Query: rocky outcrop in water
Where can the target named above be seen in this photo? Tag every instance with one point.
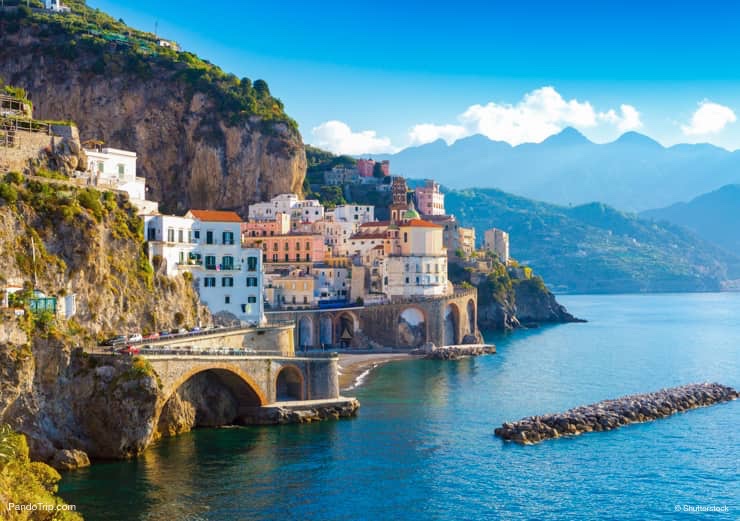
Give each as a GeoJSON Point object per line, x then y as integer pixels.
{"type": "Point", "coordinates": [611, 414]}
{"type": "Point", "coordinates": [432, 352]}
{"type": "Point", "coordinates": [274, 415]}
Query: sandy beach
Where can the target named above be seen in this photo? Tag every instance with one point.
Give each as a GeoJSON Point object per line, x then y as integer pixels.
{"type": "Point", "coordinates": [353, 369]}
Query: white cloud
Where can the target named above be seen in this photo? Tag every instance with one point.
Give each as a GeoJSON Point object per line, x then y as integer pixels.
{"type": "Point", "coordinates": [709, 118]}
{"type": "Point", "coordinates": [428, 132]}
{"type": "Point", "coordinates": [629, 119]}
{"type": "Point", "coordinates": [338, 137]}
{"type": "Point", "coordinates": [540, 114]}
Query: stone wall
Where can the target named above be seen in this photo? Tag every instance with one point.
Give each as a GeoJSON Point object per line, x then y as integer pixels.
{"type": "Point", "coordinates": [274, 339]}
{"type": "Point", "coordinates": [385, 324]}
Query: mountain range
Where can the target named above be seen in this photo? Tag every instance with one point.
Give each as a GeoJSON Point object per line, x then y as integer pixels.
{"type": "Point", "coordinates": [714, 216]}
{"type": "Point", "coordinates": [633, 173]}
{"type": "Point", "coordinates": [594, 248]}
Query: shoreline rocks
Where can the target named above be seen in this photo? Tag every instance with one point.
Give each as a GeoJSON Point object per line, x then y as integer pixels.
{"type": "Point", "coordinates": [431, 352]}
{"type": "Point", "coordinates": [277, 414]}
{"type": "Point", "coordinates": [612, 414]}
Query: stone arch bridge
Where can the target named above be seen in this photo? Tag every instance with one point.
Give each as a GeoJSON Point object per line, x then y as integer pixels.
{"type": "Point", "coordinates": [255, 380]}
{"type": "Point", "coordinates": [402, 323]}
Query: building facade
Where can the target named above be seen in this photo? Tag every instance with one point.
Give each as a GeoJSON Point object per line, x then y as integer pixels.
{"type": "Point", "coordinates": [429, 200]}
{"type": "Point", "coordinates": [497, 241]}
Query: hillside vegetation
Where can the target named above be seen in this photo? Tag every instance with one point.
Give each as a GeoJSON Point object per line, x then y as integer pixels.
{"type": "Point", "coordinates": [204, 138]}
{"type": "Point", "coordinates": [595, 248]}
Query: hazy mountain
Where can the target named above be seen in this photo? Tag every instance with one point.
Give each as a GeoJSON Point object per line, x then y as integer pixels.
{"type": "Point", "coordinates": [595, 248]}
{"type": "Point", "coordinates": [714, 216]}
{"type": "Point", "coordinates": [632, 173]}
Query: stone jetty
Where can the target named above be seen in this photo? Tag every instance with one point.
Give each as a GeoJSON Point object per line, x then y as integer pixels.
{"type": "Point", "coordinates": [431, 352]}
{"type": "Point", "coordinates": [612, 414]}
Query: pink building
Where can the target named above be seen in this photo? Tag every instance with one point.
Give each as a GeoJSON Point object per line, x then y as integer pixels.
{"type": "Point", "coordinates": [290, 248]}
{"type": "Point", "coordinates": [266, 228]}
{"type": "Point", "coordinates": [366, 166]}
{"type": "Point", "coordinates": [429, 199]}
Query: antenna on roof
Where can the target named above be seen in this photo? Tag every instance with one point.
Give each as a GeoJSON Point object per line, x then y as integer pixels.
{"type": "Point", "coordinates": [156, 26]}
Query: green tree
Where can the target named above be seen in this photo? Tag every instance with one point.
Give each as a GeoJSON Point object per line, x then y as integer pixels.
{"type": "Point", "coordinates": [378, 171]}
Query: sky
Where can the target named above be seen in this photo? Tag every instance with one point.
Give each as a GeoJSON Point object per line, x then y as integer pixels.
{"type": "Point", "coordinates": [377, 76]}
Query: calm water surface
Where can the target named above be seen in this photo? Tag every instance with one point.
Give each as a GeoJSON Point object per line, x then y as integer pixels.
{"type": "Point", "coordinates": [423, 445]}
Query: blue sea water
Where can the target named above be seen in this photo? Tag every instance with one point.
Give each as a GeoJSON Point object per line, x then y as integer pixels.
{"type": "Point", "coordinates": [423, 447]}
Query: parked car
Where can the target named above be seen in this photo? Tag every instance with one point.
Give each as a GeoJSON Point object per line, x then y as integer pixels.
{"type": "Point", "coordinates": [136, 337]}
{"type": "Point", "coordinates": [152, 336]}
{"type": "Point", "coordinates": [181, 331]}
{"type": "Point", "coordinates": [164, 333]}
{"type": "Point", "coordinates": [196, 329]}
{"type": "Point", "coordinates": [129, 350]}
{"type": "Point", "coordinates": [116, 340]}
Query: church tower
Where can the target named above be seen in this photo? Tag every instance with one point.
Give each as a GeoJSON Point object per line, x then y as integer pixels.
{"type": "Point", "coordinates": [399, 203]}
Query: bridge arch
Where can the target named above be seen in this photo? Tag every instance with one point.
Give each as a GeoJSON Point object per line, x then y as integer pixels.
{"type": "Point", "coordinates": [346, 325]}
{"type": "Point", "coordinates": [472, 322]}
{"type": "Point", "coordinates": [452, 324]}
{"type": "Point", "coordinates": [244, 388]}
{"type": "Point", "coordinates": [289, 384]}
{"type": "Point", "coordinates": [305, 332]}
{"type": "Point", "coordinates": [412, 327]}
{"type": "Point", "coordinates": [326, 328]}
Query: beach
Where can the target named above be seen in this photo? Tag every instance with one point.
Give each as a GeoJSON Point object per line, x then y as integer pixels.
{"type": "Point", "coordinates": [354, 368]}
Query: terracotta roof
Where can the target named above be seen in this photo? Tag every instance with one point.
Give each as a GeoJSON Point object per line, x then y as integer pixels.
{"type": "Point", "coordinates": [419, 223]}
{"type": "Point", "coordinates": [216, 216]}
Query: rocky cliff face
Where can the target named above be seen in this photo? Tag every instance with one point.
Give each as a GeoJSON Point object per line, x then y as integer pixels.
{"type": "Point", "coordinates": [191, 152]}
{"type": "Point", "coordinates": [66, 241]}
{"type": "Point", "coordinates": [506, 302]}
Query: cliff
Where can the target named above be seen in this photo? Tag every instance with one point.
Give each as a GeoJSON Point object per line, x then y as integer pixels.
{"type": "Point", "coordinates": [204, 138]}
{"type": "Point", "coordinates": [88, 244]}
{"type": "Point", "coordinates": [510, 298]}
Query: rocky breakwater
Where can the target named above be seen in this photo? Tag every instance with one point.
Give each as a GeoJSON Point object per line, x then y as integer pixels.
{"type": "Point", "coordinates": [432, 352]}
{"type": "Point", "coordinates": [611, 414]}
{"type": "Point", "coordinates": [306, 412]}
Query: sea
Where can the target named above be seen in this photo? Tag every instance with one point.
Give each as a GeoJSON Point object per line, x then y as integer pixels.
{"type": "Point", "coordinates": [423, 447]}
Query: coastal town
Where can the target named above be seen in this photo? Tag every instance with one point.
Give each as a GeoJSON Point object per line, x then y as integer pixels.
{"type": "Point", "coordinates": [348, 275]}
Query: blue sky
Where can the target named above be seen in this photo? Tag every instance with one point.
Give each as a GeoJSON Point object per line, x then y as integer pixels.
{"type": "Point", "coordinates": [374, 76]}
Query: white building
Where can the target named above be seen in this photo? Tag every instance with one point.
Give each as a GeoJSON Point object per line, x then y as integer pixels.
{"type": "Point", "coordinates": [332, 282]}
{"type": "Point", "coordinates": [56, 6]}
{"type": "Point", "coordinates": [309, 210]}
{"type": "Point", "coordinates": [114, 168]}
{"type": "Point", "coordinates": [355, 213]}
{"type": "Point", "coordinates": [171, 242]}
{"type": "Point", "coordinates": [429, 200]}
{"type": "Point", "coordinates": [420, 268]}
{"type": "Point", "coordinates": [336, 235]}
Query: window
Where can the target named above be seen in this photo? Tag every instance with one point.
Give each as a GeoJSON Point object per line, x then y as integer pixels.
{"type": "Point", "coordinates": [101, 167]}
{"type": "Point", "coordinates": [209, 282]}
{"type": "Point", "coordinates": [190, 236]}
{"type": "Point", "coordinates": [417, 280]}
{"type": "Point", "coordinates": [305, 299]}
{"type": "Point", "coordinates": [228, 237]}
{"type": "Point", "coordinates": [407, 280]}
{"type": "Point", "coordinates": [227, 299]}
{"type": "Point", "coordinates": [274, 257]}
{"type": "Point", "coordinates": [275, 246]}
{"type": "Point", "coordinates": [151, 234]}
{"type": "Point", "coordinates": [227, 262]}
{"type": "Point", "coordinates": [252, 300]}
{"type": "Point", "coordinates": [180, 236]}
{"type": "Point", "coordinates": [308, 246]}
{"type": "Point", "coordinates": [196, 234]}
{"type": "Point", "coordinates": [308, 257]}
{"type": "Point", "coordinates": [210, 262]}
{"type": "Point", "coordinates": [405, 237]}
{"type": "Point", "coordinates": [286, 246]}
{"type": "Point", "coordinates": [227, 282]}
{"type": "Point", "coordinates": [286, 257]}
{"type": "Point", "coordinates": [170, 235]}
{"type": "Point", "coordinates": [251, 282]}
{"type": "Point", "coordinates": [297, 245]}
{"type": "Point", "coordinates": [121, 170]}
{"type": "Point", "coordinates": [251, 263]}
{"type": "Point", "coordinates": [209, 237]}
